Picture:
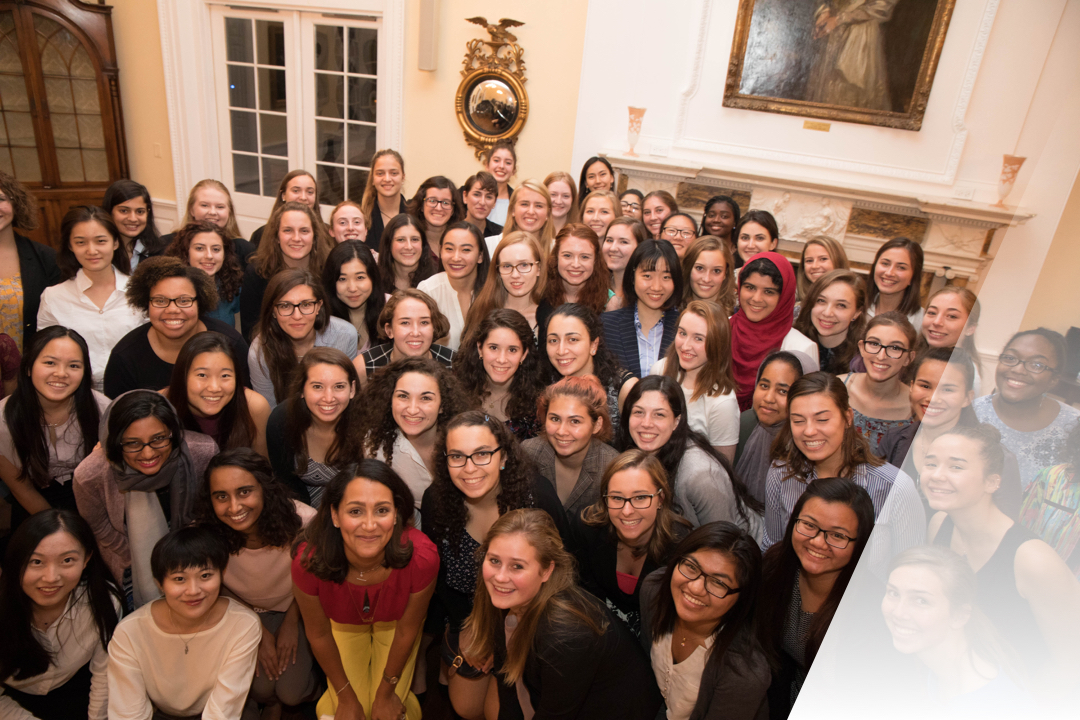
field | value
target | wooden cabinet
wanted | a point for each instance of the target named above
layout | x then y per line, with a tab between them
61	126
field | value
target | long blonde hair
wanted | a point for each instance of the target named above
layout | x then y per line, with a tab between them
559	598
836	253
231	228
546	236
367	202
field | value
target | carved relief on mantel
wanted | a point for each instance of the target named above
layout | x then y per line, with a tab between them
801	216
956	235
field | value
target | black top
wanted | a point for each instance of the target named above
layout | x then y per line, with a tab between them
544	311
283	453
491	229
620	335
252	290
38	270
736	690
257	236
133	364
574	673
596	552
998	597
895	447
244	249
458	565
375	229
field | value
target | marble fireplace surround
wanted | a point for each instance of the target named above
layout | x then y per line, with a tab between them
958	237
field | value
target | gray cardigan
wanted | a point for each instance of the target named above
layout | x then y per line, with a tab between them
734	691
587	490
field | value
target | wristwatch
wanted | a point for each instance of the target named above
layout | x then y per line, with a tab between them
392	680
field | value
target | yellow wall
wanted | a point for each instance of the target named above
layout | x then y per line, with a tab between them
1056	301
142	94
553	38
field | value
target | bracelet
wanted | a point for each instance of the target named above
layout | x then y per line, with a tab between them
343	688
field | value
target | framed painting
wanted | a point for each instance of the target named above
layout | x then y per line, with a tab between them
862	61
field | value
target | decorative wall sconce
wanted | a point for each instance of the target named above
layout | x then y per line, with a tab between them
491	102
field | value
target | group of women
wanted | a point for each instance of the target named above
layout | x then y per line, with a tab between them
590	457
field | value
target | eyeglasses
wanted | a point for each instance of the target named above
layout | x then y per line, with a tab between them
673	233
638	502
832	538
1033	366
714	586
160	301
432	202
630	206
874	347
286	309
479	458
522	267
135	446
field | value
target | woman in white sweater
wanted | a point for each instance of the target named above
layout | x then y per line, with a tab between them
191	653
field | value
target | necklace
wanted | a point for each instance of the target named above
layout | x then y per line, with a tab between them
201	628
373	568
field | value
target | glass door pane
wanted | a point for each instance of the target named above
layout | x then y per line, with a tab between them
18	143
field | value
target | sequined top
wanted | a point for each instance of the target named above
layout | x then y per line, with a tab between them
11	309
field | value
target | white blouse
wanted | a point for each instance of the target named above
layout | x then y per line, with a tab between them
445	296
795	340
209	675
73	641
716	417
679	683
67	304
410	467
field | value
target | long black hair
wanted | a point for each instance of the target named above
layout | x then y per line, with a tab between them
427	266
346	252
120	192
278	524
22	655
734	631
236	428
26	420
65	255
134	406
781	568
682	438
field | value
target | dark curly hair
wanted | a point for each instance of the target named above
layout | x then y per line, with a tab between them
65	256
324	557
378	428
230	276
525	386
153	270
606	366
23	204
278	525
447	524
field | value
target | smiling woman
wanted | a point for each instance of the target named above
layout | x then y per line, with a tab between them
204	245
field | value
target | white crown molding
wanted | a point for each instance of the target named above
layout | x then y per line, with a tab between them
946	176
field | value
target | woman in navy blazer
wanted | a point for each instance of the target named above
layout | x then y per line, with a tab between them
652	286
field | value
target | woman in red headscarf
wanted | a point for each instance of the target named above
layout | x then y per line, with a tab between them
763	321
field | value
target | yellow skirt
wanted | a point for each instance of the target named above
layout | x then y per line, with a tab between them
364	649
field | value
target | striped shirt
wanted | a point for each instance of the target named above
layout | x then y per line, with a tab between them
900	521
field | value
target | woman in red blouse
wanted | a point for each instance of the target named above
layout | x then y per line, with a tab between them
363	578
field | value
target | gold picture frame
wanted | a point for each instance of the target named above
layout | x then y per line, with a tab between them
491	102
862	61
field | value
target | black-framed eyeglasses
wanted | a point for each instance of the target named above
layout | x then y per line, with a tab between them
638	502
1033	366
894	351
522	267
713	585
160	301
834	539
630	206
136	446
673	233
432	202
286	309
479	458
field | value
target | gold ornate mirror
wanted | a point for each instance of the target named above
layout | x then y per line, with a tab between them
491	101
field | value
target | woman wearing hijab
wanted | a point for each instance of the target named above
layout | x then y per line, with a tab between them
763	321
139	483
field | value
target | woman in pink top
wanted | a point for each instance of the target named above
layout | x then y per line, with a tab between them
258	521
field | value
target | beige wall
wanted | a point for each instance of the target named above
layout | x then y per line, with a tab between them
142	93
1056	301
553	38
